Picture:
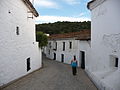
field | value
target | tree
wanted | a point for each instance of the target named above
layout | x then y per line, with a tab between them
42	39
63	27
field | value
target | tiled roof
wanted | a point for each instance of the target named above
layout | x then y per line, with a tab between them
31	7
81	35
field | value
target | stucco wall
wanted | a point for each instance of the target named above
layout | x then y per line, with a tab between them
104	44
15	49
68	53
85	46
77	46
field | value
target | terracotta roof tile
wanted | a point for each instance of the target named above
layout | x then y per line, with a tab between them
81	35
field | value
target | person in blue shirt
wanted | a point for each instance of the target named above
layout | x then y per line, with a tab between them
74	64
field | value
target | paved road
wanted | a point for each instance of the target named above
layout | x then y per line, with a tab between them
54	76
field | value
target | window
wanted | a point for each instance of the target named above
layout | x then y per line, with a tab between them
70	45
28	64
50	44
17	30
56	45
49	52
116	62
63	46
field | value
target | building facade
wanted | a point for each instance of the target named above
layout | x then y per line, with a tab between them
63	47
104	68
19	52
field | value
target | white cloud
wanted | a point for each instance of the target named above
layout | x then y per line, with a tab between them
51	19
72	2
45	4
79	15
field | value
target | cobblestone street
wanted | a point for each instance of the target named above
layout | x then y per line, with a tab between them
53	76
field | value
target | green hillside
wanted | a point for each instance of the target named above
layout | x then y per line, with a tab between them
63	27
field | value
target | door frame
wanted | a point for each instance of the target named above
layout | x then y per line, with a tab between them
62	57
82	59
54	56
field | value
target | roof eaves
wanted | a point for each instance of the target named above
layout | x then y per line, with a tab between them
31	7
88	5
84	39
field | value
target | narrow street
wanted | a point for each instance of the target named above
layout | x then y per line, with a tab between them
53	76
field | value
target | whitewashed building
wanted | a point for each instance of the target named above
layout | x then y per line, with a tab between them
62	47
19	52
104	68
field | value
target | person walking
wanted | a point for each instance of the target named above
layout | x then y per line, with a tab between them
74	64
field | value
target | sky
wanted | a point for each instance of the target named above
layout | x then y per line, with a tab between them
61	10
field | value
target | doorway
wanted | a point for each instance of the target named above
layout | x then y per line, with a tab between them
28	64
54	56
62	57
116	62
82	59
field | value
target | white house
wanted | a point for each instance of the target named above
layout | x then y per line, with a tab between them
19	52
104	66
62	47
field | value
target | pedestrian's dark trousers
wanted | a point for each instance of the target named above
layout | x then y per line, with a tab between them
74	71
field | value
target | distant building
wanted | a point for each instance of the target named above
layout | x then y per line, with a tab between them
47	34
104	68
62	47
19	52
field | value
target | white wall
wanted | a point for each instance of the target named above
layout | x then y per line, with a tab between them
68	53
86	47
77	46
104	43
15	49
